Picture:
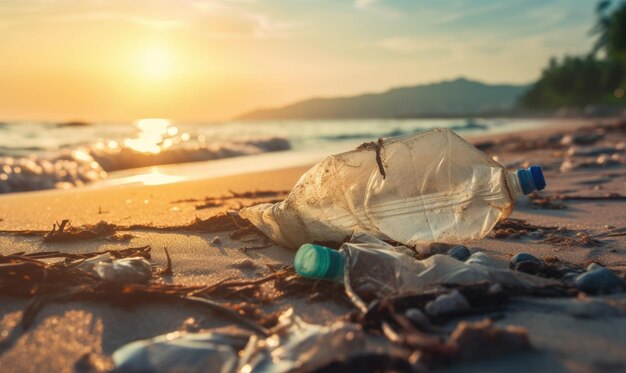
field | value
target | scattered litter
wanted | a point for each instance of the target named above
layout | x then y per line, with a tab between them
99	276
134	270
296	346
384	194
180	352
372	269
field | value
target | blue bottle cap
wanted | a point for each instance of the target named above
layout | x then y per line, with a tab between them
531	179
315	261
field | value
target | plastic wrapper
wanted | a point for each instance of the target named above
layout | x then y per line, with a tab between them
180	352
126	270
374	269
297	346
428	187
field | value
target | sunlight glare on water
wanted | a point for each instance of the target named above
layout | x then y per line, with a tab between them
151	135
151	176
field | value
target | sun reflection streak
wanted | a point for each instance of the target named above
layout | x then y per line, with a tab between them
151	135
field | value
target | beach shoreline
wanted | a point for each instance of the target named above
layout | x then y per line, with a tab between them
64	332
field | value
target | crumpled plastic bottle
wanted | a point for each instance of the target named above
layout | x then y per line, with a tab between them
373	269
428	187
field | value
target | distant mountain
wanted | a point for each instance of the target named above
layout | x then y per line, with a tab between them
460	97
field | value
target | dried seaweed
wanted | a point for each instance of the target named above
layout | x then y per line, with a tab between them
209	204
217	201
259	194
378	147
609	197
517	228
27	276
579	239
65	232
220	222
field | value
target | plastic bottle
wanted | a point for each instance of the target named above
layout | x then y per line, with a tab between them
432	186
375	268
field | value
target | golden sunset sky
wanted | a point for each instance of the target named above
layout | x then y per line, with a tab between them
201	60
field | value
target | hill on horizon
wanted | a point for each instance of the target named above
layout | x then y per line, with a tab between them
447	98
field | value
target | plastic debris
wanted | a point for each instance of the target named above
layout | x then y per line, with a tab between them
297	346
126	270
180	352
428	187
374	268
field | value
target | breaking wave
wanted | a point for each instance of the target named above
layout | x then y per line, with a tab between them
72	167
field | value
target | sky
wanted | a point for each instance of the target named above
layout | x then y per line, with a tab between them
208	60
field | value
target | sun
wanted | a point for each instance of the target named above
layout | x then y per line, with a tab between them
155	62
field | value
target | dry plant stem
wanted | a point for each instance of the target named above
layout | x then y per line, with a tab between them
225	311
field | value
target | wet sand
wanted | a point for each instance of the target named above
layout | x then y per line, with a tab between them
567	334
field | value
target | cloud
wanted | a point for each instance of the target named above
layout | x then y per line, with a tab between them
362	4
211	18
377	8
408	45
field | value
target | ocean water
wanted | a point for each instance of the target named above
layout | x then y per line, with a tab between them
36	156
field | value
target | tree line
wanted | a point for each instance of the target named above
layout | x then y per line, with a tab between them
596	78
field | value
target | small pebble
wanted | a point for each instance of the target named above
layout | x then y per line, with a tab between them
459	252
593	267
191	325
570	278
243	263
447	303
599	281
531	268
523	257
495	289
417	317
216	241
536	235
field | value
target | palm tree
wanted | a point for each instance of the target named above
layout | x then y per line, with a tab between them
602	26
610	29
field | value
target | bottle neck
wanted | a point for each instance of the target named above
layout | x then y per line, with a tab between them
512	182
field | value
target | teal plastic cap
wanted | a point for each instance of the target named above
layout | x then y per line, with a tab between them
315	261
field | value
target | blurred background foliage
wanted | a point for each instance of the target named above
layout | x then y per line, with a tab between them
596	78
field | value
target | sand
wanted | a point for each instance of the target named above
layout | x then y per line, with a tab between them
567	334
